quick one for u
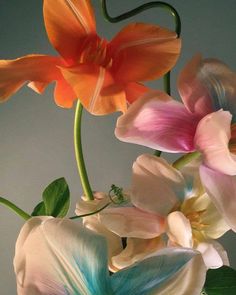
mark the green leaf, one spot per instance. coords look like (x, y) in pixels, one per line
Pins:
(221, 281)
(39, 210)
(56, 200)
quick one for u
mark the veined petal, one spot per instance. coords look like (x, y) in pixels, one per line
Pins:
(58, 256)
(158, 122)
(132, 222)
(192, 89)
(222, 190)
(157, 187)
(207, 85)
(212, 139)
(179, 229)
(136, 250)
(142, 52)
(41, 69)
(214, 255)
(68, 23)
(96, 89)
(163, 273)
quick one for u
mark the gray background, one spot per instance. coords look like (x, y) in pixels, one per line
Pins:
(36, 137)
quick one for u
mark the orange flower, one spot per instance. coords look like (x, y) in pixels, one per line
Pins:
(103, 75)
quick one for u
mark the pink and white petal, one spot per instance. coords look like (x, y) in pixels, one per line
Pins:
(214, 255)
(157, 121)
(96, 89)
(41, 69)
(68, 23)
(212, 139)
(222, 190)
(179, 229)
(136, 250)
(142, 52)
(132, 222)
(207, 85)
(193, 92)
(58, 256)
(114, 242)
(157, 187)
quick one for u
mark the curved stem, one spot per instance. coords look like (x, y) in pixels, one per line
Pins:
(184, 160)
(14, 208)
(79, 152)
(91, 213)
(141, 8)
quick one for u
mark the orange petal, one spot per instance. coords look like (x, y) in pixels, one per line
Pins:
(39, 69)
(63, 94)
(96, 89)
(68, 23)
(143, 52)
(134, 91)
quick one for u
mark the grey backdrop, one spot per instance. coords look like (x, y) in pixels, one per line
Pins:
(36, 143)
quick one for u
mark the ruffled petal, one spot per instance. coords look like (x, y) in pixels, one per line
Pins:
(64, 95)
(68, 23)
(179, 229)
(134, 91)
(40, 69)
(142, 52)
(158, 122)
(59, 256)
(132, 222)
(136, 250)
(222, 190)
(207, 85)
(212, 139)
(163, 273)
(96, 89)
(157, 187)
(213, 254)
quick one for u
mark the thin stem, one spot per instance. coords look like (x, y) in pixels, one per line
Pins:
(184, 160)
(141, 8)
(91, 213)
(14, 208)
(79, 152)
(166, 83)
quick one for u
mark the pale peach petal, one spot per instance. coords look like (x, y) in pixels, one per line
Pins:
(212, 139)
(157, 187)
(68, 24)
(159, 122)
(132, 222)
(213, 254)
(143, 52)
(40, 69)
(96, 89)
(222, 190)
(179, 229)
(136, 250)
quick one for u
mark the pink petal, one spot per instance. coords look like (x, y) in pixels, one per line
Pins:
(156, 186)
(212, 139)
(179, 229)
(207, 85)
(132, 222)
(222, 190)
(158, 122)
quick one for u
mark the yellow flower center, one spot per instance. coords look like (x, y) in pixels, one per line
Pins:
(195, 219)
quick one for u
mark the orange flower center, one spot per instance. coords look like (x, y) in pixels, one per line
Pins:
(95, 52)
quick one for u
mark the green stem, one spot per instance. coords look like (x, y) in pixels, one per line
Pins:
(184, 160)
(79, 152)
(91, 213)
(14, 208)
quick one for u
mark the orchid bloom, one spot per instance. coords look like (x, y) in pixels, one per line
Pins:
(202, 123)
(58, 256)
(163, 200)
(103, 75)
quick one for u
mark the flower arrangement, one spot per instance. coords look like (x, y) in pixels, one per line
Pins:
(159, 235)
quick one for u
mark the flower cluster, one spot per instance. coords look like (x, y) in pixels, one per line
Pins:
(160, 235)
